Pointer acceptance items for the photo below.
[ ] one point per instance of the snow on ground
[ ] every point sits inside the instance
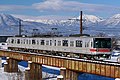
(55, 68)
(3, 75)
(10, 76)
(20, 75)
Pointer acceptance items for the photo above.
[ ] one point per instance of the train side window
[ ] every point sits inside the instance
(59, 43)
(37, 42)
(33, 41)
(42, 42)
(78, 43)
(71, 43)
(65, 42)
(87, 44)
(21, 41)
(24, 41)
(50, 42)
(27, 41)
(12, 41)
(18, 41)
(47, 42)
(55, 42)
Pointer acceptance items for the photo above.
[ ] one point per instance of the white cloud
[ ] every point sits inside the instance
(62, 5)
(49, 4)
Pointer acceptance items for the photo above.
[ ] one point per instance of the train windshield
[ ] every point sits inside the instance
(102, 43)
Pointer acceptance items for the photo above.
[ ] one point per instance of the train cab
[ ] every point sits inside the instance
(101, 46)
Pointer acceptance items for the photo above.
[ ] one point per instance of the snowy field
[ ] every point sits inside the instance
(20, 75)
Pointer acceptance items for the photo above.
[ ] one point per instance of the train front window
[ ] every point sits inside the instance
(102, 43)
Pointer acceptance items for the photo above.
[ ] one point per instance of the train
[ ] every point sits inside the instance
(77, 47)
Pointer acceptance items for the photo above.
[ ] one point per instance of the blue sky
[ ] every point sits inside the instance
(59, 8)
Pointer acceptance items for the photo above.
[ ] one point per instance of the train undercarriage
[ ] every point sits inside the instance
(63, 54)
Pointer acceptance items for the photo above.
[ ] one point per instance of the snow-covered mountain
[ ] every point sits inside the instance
(9, 25)
(113, 21)
(88, 19)
(6, 19)
(91, 23)
(71, 26)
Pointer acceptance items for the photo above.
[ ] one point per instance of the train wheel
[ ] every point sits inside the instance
(81, 56)
(118, 59)
(89, 57)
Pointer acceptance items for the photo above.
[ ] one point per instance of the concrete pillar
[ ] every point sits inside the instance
(60, 77)
(71, 75)
(6, 67)
(68, 74)
(31, 72)
(63, 73)
(29, 63)
(11, 66)
(27, 73)
(35, 71)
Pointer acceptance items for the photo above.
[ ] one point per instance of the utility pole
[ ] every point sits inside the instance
(81, 27)
(80, 20)
(20, 27)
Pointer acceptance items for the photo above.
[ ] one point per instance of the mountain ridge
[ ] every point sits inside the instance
(91, 23)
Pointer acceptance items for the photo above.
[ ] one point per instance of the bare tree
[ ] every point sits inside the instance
(101, 34)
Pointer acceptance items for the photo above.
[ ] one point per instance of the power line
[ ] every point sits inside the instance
(19, 27)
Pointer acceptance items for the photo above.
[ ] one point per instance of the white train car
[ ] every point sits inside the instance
(80, 46)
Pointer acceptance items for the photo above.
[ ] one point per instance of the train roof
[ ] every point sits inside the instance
(59, 36)
(64, 37)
